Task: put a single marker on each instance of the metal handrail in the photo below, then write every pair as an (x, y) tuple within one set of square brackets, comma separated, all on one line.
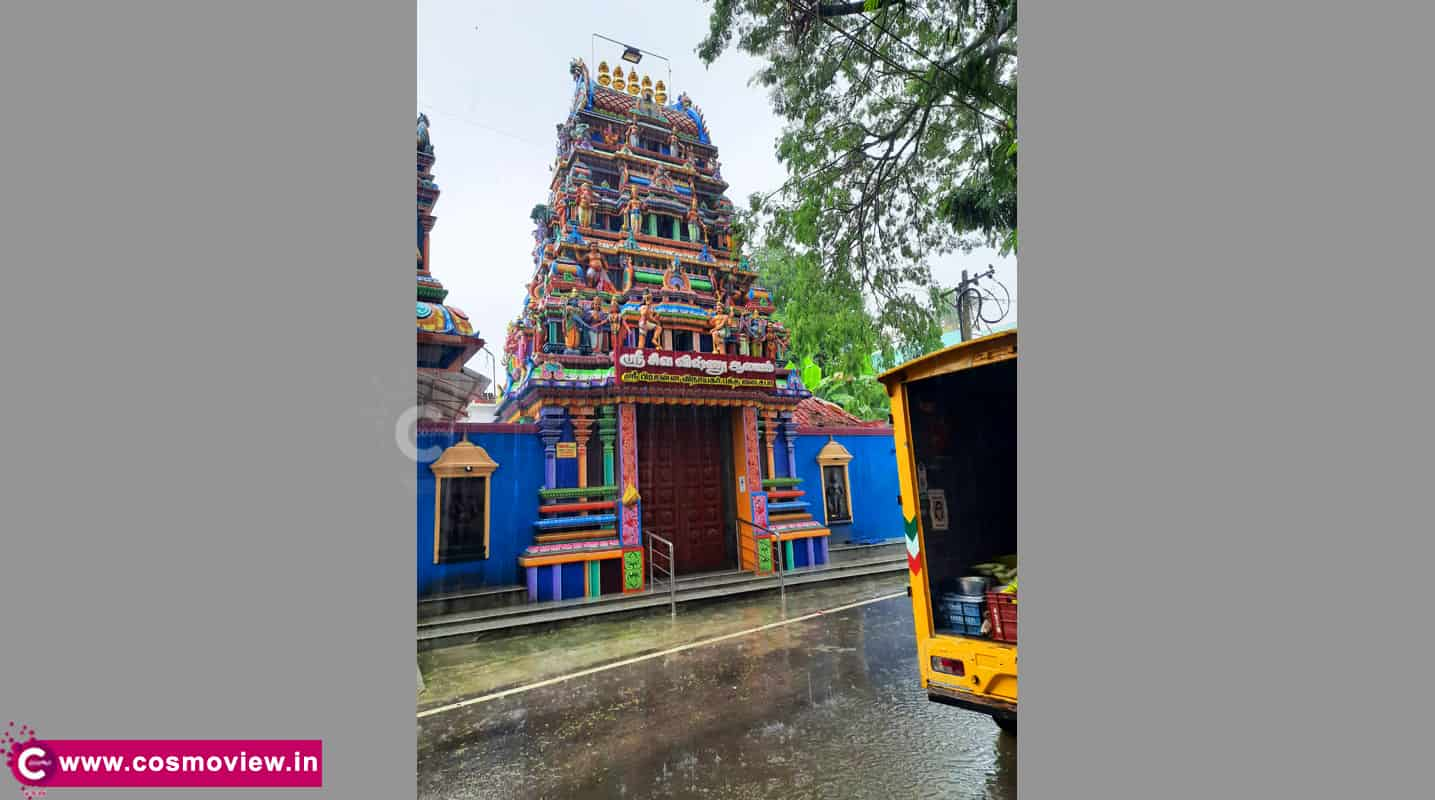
[(670, 570), (776, 547)]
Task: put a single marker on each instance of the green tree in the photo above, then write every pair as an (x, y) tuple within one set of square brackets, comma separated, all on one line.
[(826, 319), (833, 333), (900, 143), (862, 396)]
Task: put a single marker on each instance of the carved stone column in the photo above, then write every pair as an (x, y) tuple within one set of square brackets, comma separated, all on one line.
[(789, 435), (550, 430), (582, 432), (607, 430), (769, 434)]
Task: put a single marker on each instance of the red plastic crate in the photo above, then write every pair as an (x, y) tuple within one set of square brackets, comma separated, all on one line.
[(1001, 613)]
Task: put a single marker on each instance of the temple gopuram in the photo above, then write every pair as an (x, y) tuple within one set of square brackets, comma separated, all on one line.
[(647, 388), (446, 338)]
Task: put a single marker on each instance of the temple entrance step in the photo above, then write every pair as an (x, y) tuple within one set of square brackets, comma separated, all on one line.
[(470, 600), (462, 628), (841, 552)]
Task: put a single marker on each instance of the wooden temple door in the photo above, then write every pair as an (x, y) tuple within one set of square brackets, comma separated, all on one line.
[(680, 476)]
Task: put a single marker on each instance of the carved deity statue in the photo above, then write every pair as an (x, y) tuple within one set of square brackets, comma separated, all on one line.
[(585, 204), (635, 213), (615, 324), (598, 272), (650, 330), (595, 327), (695, 222), (560, 209), (719, 327), (571, 321), (578, 69), (674, 277)]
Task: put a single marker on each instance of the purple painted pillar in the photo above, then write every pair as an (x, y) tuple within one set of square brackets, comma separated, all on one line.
[(532, 584), (557, 581), (550, 430), (811, 554), (789, 438), (821, 549)]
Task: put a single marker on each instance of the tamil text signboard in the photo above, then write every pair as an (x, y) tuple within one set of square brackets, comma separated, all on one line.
[(696, 370)]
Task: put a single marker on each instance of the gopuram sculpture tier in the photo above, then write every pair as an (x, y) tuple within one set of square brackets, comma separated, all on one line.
[(637, 295)]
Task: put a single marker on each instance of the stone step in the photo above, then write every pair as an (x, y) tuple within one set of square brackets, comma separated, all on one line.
[(705, 580), (840, 552), (462, 628), (472, 600)]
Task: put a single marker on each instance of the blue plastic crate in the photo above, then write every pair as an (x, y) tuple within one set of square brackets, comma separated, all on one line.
[(961, 614)]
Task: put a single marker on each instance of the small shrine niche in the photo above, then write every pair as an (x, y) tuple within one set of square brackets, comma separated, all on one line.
[(836, 482), (462, 495)]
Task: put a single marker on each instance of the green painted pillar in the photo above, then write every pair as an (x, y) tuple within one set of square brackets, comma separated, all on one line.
[(650, 225), (607, 431), (787, 553), (594, 578)]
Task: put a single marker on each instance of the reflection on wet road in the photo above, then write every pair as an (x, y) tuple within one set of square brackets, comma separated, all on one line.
[(822, 708)]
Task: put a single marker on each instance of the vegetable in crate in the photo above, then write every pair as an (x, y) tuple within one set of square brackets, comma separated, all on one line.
[(1003, 570)]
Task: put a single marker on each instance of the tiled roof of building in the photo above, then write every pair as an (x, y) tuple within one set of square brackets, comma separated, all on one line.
[(814, 412)]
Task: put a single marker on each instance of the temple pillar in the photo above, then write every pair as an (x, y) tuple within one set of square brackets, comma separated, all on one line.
[(630, 519), (752, 499), (582, 432), (550, 429), (789, 436), (607, 429), (769, 433)]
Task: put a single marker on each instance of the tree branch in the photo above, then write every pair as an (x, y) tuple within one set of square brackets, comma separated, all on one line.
[(858, 7)]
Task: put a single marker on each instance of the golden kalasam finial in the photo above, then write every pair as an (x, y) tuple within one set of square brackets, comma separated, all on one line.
[(633, 87), (660, 92), (647, 88), (618, 79), (603, 78)]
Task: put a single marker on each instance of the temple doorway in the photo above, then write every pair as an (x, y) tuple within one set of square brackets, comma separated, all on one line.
[(682, 476)]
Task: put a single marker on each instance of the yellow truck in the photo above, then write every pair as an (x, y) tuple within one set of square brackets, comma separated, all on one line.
[(954, 421)]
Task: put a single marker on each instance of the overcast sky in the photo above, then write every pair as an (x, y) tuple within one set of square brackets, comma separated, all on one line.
[(494, 83)]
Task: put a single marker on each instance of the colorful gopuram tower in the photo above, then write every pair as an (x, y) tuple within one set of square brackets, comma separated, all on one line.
[(446, 338), (647, 356)]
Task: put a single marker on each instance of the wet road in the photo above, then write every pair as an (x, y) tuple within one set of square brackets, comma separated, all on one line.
[(822, 708)]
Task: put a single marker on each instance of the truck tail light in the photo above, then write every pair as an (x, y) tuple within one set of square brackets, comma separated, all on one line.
[(949, 666)]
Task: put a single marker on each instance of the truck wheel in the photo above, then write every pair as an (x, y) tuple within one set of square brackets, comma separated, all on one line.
[(1008, 726)]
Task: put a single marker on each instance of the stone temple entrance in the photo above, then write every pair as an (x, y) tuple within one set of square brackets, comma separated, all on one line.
[(682, 479)]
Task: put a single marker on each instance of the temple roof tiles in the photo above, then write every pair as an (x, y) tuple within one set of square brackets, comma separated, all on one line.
[(814, 412)]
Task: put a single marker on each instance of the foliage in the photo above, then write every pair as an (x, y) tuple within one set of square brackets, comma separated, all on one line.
[(833, 334), (826, 317), (859, 395), (811, 373), (900, 145)]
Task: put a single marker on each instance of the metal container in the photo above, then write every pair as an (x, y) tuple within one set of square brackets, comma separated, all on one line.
[(974, 586)]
